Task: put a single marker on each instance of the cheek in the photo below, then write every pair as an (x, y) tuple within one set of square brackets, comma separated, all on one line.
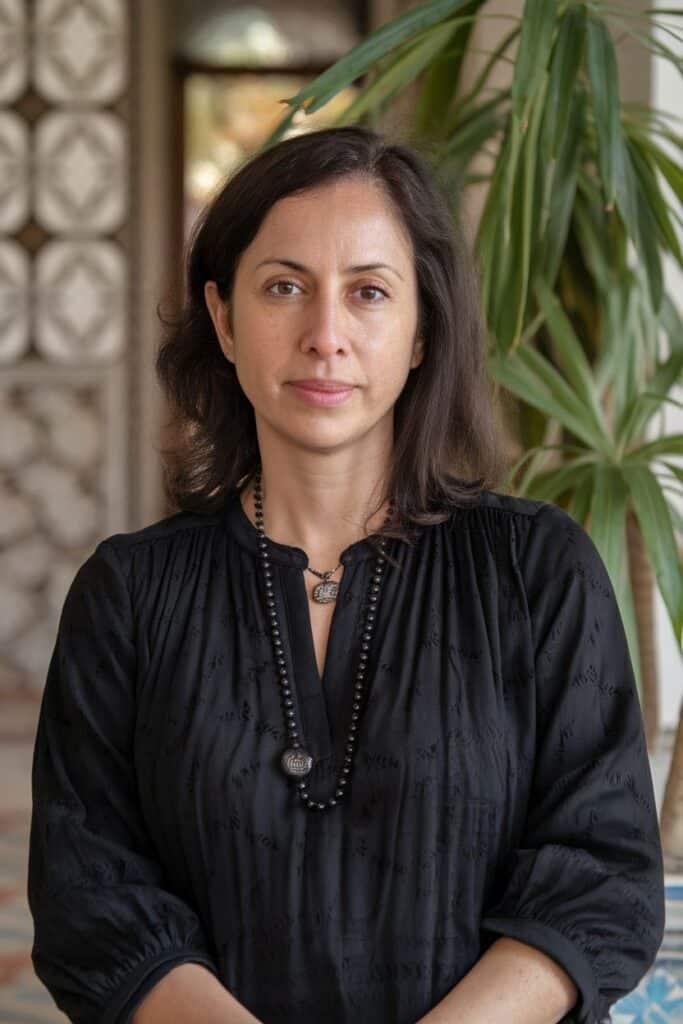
[(389, 368), (259, 351)]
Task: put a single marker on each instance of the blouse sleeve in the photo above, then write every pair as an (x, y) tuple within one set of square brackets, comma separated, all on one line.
[(585, 883), (106, 925)]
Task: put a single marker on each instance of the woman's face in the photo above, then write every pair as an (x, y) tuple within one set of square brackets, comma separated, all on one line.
[(302, 309)]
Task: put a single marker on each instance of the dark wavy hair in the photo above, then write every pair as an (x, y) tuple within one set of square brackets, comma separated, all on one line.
[(447, 442)]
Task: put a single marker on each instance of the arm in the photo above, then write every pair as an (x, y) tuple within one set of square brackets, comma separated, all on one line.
[(584, 882), (190, 993), (107, 923), (512, 983)]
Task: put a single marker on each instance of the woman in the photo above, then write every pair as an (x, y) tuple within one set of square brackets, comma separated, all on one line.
[(350, 734)]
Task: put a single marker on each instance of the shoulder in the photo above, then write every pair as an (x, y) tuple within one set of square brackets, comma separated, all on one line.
[(180, 526), (536, 514), (554, 553), (497, 506), (136, 558), (546, 540), (506, 504)]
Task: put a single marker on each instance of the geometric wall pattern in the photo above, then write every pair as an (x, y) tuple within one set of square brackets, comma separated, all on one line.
[(65, 317), (51, 506)]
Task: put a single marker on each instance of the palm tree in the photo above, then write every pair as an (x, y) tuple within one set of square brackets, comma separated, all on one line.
[(569, 244)]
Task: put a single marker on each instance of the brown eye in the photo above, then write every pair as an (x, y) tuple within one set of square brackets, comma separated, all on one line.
[(291, 284), (373, 288)]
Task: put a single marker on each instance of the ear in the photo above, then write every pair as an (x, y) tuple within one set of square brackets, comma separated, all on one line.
[(418, 353), (220, 315)]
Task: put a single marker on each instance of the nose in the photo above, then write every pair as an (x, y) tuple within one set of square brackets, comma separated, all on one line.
[(326, 324)]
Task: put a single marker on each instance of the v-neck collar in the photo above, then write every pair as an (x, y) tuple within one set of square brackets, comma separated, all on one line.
[(244, 531), (324, 705), (324, 728)]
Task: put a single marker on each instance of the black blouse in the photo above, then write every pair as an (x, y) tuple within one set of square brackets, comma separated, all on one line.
[(501, 784)]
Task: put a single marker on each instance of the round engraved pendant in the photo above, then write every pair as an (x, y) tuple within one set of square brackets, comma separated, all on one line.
[(325, 592), (296, 762)]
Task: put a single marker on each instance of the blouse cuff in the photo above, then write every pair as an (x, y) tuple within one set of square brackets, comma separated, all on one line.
[(143, 979), (552, 942)]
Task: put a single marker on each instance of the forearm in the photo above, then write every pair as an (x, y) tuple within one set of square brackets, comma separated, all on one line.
[(191, 993), (512, 983)]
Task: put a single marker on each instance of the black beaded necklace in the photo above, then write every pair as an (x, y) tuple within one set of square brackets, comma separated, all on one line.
[(296, 762)]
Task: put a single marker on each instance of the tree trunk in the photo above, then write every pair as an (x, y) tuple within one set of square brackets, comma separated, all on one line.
[(671, 816), (642, 584)]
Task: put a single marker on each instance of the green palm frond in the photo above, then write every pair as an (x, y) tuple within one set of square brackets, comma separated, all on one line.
[(584, 200)]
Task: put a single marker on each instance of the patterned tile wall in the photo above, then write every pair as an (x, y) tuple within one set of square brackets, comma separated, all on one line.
[(66, 386)]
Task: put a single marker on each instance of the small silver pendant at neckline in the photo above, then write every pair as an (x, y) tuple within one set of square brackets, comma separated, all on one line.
[(325, 592)]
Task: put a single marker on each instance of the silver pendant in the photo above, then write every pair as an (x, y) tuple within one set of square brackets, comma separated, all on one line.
[(297, 762), (325, 592)]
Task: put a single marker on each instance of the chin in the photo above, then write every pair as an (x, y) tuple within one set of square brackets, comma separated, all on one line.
[(320, 437)]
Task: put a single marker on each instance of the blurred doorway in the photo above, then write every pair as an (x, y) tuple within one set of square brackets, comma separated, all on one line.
[(233, 63)]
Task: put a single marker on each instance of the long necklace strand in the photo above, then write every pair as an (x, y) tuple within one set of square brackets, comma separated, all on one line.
[(296, 761)]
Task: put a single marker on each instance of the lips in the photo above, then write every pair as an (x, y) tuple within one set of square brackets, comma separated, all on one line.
[(322, 385), (322, 393)]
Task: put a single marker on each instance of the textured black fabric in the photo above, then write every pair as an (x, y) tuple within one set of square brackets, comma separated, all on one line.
[(501, 783)]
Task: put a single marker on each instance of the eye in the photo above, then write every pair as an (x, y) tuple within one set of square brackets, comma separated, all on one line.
[(373, 288), (292, 284)]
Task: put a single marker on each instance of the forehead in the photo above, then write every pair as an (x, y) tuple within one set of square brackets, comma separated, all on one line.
[(347, 214)]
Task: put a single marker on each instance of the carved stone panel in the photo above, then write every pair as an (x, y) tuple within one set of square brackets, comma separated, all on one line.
[(66, 343)]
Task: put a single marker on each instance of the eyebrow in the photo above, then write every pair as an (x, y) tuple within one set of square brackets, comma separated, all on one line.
[(359, 268)]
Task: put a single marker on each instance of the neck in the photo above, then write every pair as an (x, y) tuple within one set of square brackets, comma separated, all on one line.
[(322, 512)]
